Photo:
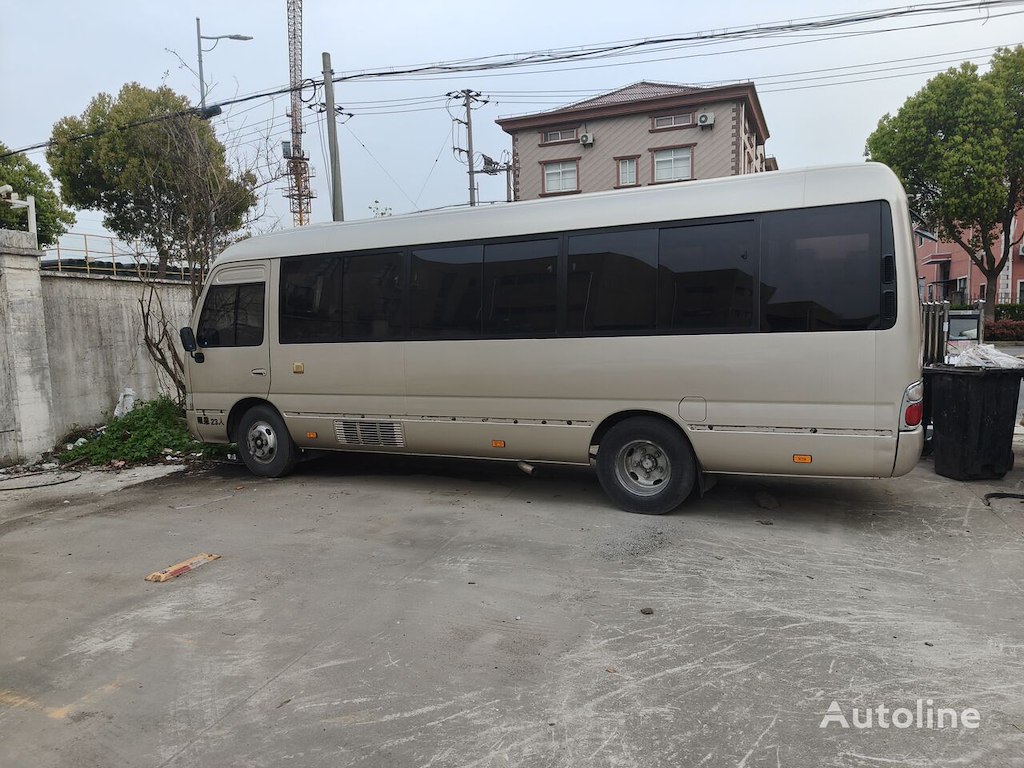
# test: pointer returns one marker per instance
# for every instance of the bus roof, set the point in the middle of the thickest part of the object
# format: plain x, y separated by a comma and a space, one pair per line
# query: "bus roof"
726, 196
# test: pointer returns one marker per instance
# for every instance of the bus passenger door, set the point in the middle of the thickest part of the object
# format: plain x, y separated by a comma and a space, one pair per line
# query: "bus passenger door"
233, 358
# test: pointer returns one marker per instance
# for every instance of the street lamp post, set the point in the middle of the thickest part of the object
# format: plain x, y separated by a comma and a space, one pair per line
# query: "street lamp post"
199, 50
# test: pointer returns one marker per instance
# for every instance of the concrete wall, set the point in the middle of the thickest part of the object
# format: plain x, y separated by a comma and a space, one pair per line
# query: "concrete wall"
26, 426
94, 336
68, 345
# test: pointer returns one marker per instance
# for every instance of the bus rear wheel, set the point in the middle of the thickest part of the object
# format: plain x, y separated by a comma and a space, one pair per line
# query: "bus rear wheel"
264, 443
644, 465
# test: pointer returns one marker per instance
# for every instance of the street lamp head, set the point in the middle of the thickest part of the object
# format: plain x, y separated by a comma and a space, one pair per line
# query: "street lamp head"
225, 37
199, 51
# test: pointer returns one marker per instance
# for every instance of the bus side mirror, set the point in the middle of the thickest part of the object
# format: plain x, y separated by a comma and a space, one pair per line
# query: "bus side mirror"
188, 341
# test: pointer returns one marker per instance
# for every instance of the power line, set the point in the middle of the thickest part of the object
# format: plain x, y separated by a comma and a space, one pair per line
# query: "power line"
433, 166
380, 165
695, 39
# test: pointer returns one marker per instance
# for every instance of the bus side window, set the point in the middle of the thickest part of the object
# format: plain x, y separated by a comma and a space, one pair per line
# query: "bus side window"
445, 293
232, 316
612, 282
706, 278
310, 299
520, 287
821, 269
372, 302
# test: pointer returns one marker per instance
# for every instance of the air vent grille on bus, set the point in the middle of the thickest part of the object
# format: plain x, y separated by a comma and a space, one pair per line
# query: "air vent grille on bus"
383, 433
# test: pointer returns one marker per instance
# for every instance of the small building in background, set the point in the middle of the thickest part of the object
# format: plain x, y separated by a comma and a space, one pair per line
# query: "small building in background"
645, 133
947, 273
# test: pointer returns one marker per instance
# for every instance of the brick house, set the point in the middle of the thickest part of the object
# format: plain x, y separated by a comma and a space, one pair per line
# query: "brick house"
946, 271
644, 133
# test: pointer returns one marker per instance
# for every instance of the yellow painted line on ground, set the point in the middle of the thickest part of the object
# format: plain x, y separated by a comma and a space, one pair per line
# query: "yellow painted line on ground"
14, 700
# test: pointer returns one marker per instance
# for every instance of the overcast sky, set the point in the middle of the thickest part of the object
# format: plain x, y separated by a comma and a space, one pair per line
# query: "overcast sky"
56, 56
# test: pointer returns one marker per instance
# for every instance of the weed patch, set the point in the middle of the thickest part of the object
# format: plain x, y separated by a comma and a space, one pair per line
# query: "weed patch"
151, 431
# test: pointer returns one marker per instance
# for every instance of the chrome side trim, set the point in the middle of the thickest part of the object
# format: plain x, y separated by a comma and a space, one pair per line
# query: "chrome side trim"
789, 430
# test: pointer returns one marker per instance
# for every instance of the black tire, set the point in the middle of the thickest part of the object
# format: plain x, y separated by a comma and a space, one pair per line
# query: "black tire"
264, 443
646, 465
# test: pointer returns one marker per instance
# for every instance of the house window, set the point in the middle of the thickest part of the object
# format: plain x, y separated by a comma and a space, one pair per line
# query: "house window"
562, 134
674, 164
560, 176
627, 171
671, 121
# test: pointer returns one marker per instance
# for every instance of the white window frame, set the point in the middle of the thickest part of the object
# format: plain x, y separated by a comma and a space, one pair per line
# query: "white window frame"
559, 134
680, 120
627, 179
677, 160
560, 171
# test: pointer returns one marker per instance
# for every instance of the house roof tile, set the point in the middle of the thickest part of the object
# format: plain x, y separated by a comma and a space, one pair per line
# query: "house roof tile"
639, 91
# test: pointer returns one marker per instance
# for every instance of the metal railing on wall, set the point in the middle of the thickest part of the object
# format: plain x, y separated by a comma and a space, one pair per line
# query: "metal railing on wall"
102, 255
948, 332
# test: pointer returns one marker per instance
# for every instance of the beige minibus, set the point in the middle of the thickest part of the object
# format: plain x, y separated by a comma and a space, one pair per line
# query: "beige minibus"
765, 324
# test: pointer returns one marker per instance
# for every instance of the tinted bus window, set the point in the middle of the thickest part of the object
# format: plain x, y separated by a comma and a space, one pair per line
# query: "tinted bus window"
821, 269
706, 278
612, 282
310, 299
371, 304
232, 316
520, 287
445, 292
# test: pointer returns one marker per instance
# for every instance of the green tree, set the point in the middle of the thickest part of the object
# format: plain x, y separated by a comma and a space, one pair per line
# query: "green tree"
161, 177
155, 170
27, 178
958, 146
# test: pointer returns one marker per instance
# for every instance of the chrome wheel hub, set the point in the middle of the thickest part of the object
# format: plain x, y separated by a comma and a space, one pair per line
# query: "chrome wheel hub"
261, 441
643, 468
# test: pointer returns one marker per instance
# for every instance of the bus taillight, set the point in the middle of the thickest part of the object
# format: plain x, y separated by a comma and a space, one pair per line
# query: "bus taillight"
913, 406
913, 415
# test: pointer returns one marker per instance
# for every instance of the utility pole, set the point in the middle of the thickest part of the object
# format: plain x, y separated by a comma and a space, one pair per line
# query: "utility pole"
469, 146
337, 207
468, 99
202, 83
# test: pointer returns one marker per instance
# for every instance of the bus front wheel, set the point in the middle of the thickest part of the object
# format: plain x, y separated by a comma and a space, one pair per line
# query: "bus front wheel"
264, 443
644, 465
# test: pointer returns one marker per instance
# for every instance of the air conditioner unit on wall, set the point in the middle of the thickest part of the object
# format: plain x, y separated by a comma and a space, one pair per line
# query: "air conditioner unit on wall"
586, 139
706, 119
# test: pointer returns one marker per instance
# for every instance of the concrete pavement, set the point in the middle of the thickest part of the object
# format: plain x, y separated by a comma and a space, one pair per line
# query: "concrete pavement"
400, 612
